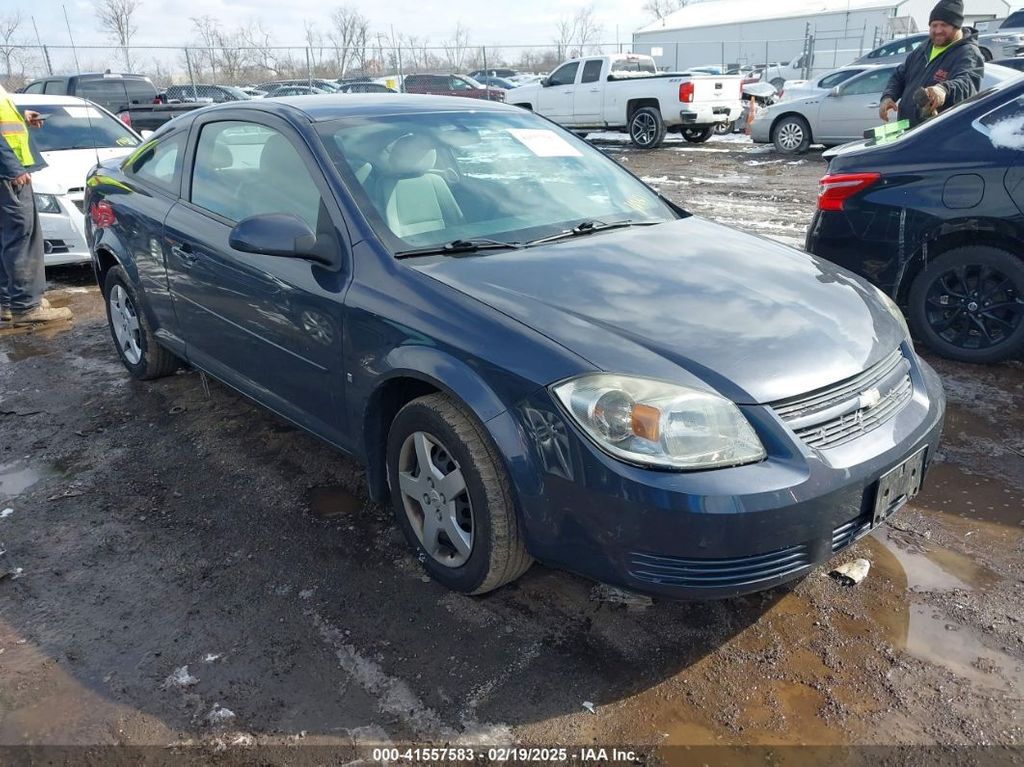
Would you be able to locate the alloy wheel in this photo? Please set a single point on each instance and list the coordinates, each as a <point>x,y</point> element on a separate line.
<point>436,499</point>
<point>791,136</point>
<point>125,322</point>
<point>974,306</point>
<point>644,129</point>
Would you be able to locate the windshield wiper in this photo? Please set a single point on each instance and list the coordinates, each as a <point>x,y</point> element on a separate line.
<point>589,227</point>
<point>459,246</point>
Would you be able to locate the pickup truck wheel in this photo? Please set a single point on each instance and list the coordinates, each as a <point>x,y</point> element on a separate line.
<point>968,304</point>
<point>136,345</point>
<point>452,497</point>
<point>698,135</point>
<point>646,128</point>
<point>792,135</point>
<point>724,129</point>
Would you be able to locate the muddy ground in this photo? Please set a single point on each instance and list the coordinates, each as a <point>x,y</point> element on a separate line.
<point>172,524</point>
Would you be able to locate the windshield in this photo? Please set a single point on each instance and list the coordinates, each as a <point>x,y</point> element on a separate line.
<point>78,126</point>
<point>427,179</point>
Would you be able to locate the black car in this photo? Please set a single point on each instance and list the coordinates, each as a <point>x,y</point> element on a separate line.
<point>936,219</point>
<point>1014,63</point>
<point>364,87</point>
<point>217,94</point>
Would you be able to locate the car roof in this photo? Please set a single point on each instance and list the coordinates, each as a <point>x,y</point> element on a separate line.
<point>332,106</point>
<point>43,99</point>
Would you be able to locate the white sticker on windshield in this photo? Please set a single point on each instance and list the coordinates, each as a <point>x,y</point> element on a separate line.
<point>544,143</point>
<point>83,113</point>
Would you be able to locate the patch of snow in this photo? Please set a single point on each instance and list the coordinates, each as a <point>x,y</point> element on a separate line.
<point>731,138</point>
<point>755,163</point>
<point>703,149</point>
<point>731,179</point>
<point>180,678</point>
<point>1008,133</point>
<point>211,657</point>
<point>218,714</point>
<point>6,513</point>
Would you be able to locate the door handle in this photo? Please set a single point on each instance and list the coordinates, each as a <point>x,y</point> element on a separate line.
<point>595,90</point>
<point>185,253</point>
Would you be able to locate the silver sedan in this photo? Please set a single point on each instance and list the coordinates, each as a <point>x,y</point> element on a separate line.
<point>839,115</point>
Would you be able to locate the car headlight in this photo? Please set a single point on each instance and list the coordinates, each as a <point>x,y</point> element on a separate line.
<point>47,203</point>
<point>660,424</point>
<point>894,310</point>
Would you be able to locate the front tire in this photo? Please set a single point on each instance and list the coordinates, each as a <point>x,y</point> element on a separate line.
<point>129,327</point>
<point>698,135</point>
<point>452,497</point>
<point>792,135</point>
<point>968,304</point>
<point>646,128</point>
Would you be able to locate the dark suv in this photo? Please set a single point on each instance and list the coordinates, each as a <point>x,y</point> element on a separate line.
<point>133,98</point>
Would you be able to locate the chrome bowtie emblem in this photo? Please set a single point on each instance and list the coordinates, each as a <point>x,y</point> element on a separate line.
<point>870,398</point>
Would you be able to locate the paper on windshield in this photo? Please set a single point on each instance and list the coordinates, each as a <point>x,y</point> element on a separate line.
<point>83,113</point>
<point>544,143</point>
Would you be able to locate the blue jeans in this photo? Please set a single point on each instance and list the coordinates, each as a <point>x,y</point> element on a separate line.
<point>22,270</point>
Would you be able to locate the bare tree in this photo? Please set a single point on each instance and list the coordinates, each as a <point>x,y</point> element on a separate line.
<point>10,50</point>
<point>207,29</point>
<point>349,33</point>
<point>261,49</point>
<point>117,18</point>
<point>574,33</point>
<point>659,9</point>
<point>456,47</point>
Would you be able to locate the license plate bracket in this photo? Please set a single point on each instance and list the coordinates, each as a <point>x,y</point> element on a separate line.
<point>897,486</point>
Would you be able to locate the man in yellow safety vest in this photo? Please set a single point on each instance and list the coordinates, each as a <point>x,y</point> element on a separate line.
<point>22,270</point>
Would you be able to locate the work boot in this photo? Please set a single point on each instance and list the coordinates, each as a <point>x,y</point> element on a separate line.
<point>41,315</point>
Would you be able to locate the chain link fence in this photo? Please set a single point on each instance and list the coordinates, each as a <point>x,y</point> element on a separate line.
<point>815,52</point>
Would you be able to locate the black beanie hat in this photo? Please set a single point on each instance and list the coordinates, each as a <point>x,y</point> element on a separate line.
<point>949,11</point>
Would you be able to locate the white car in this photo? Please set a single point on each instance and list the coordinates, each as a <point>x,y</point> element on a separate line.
<point>75,136</point>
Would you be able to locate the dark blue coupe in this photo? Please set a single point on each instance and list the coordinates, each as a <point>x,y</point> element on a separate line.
<point>535,355</point>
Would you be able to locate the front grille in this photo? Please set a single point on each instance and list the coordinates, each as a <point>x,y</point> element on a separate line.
<point>842,412</point>
<point>718,573</point>
<point>852,531</point>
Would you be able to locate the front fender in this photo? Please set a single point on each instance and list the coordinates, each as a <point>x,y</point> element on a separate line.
<point>410,369</point>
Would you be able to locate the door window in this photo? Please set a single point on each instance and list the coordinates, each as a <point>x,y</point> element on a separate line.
<point>565,74</point>
<point>591,71</point>
<point>871,83</point>
<point>34,88</point>
<point>158,162</point>
<point>834,79</point>
<point>243,169</point>
<point>107,93</point>
<point>56,87</point>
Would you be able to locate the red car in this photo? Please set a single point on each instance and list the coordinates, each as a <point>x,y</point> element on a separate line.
<point>451,85</point>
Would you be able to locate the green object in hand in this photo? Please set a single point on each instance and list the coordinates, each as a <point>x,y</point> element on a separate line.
<point>887,132</point>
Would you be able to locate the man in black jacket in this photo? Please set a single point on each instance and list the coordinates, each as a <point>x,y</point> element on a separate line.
<point>938,74</point>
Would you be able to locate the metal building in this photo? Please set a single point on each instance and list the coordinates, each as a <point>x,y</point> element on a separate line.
<point>730,32</point>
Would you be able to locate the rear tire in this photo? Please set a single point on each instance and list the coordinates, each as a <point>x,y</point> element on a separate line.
<point>791,135</point>
<point>129,327</point>
<point>724,129</point>
<point>698,135</point>
<point>646,128</point>
<point>452,497</point>
<point>968,305</point>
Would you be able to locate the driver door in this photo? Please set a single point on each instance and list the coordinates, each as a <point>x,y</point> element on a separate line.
<point>555,100</point>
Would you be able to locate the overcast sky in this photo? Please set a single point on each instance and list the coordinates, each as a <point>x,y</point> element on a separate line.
<point>505,22</point>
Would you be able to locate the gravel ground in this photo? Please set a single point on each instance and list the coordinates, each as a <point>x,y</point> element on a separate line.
<point>185,569</point>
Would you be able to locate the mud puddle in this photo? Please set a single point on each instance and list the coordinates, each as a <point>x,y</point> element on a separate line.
<point>959,495</point>
<point>16,478</point>
<point>332,502</point>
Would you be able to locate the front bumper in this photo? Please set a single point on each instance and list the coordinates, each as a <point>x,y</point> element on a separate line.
<point>709,534</point>
<point>761,130</point>
<point>64,233</point>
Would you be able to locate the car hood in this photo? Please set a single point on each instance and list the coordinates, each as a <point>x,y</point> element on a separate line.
<point>753,319</point>
<point>67,168</point>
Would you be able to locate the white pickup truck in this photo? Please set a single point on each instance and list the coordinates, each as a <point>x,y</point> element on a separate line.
<point>625,92</point>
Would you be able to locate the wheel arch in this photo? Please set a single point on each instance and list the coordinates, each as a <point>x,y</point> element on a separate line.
<point>988,232</point>
<point>416,372</point>
<point>634,104</point>
<point>784,115</point>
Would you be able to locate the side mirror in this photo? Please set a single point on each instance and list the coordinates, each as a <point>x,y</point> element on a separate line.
<point>835,93</point>
<point>277,234</point>
<point>544,83</point>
